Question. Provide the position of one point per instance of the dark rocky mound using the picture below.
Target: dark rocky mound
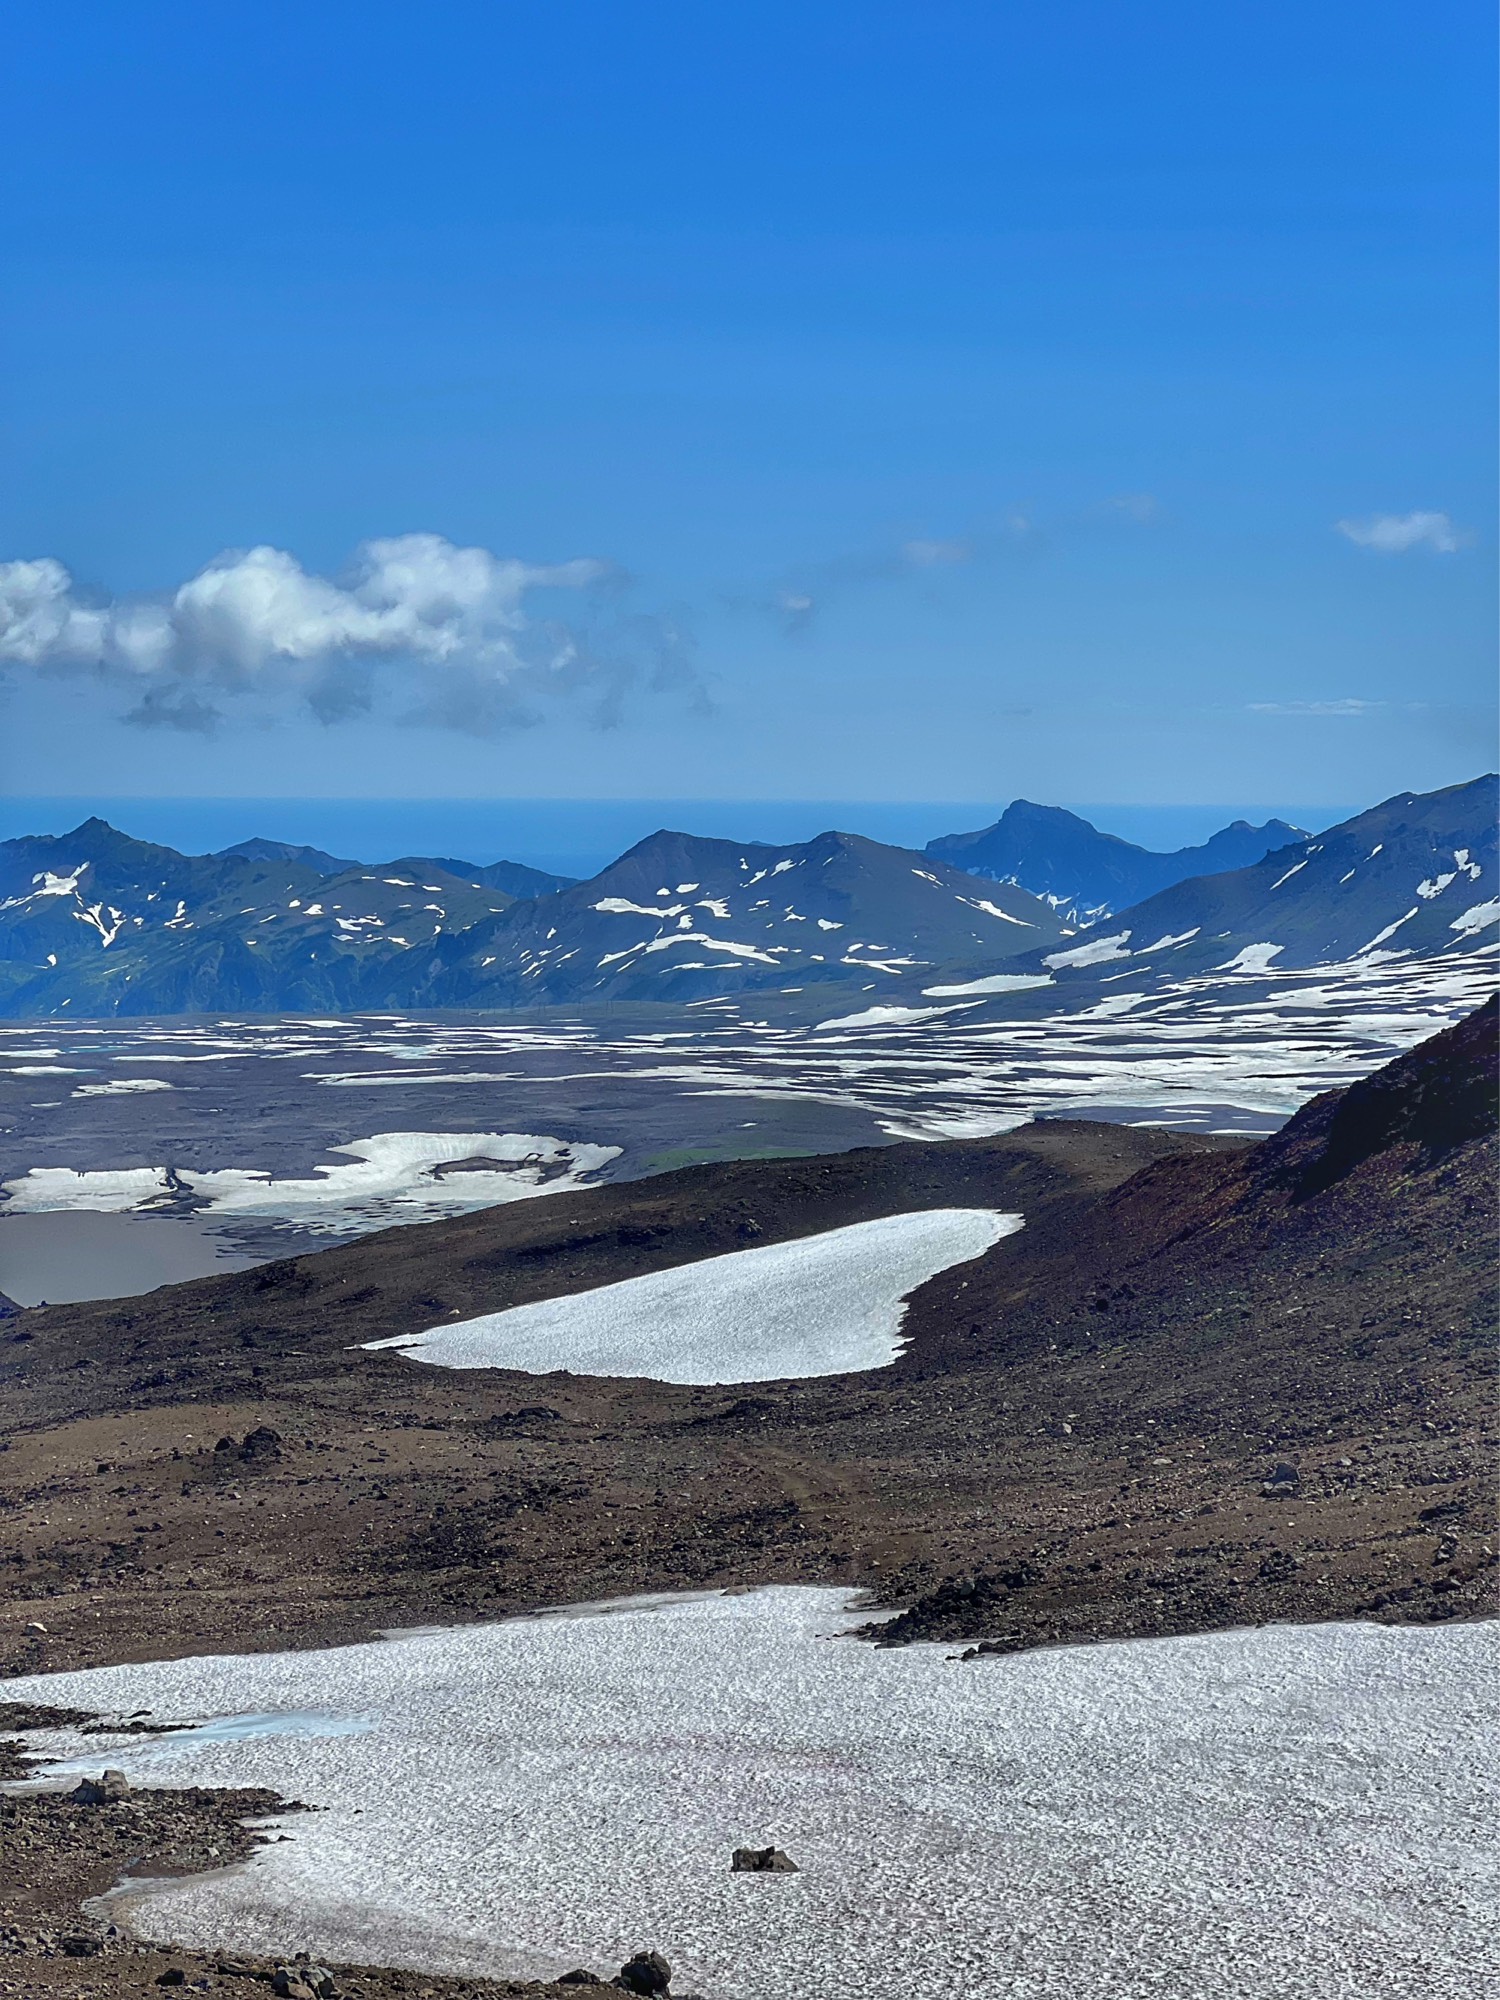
(1321, 1306)
(1435, 1098)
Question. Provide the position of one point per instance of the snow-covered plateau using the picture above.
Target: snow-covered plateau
(266, 1132)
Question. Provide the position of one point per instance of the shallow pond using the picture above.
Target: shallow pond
(88, 1254)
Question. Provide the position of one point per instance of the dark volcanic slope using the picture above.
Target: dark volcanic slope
(1087, 1421)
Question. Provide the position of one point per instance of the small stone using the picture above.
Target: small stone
(34, 1625)
(581, 1976)
(1280, 1566)
(648, 1972)
(173, 1976)
(761, 1861)
(318, 1977)
(288, 1983)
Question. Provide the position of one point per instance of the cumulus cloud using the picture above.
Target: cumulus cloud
(1349, 705)
(1394, 534)
(455, 631)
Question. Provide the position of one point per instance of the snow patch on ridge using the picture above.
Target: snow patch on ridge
(1253, 958)
(1099, 952)
(822, 1305)
(1476, 917)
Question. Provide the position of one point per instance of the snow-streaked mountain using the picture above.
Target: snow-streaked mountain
(1414, 875)
(514, 877)
(1086, 874)
(95, 922)
(678, 918)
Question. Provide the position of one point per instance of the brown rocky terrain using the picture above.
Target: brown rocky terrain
(1207, 1385)
(58, 1855)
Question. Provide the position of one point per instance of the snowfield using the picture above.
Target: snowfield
(1289, 1813)
(391, 1177)
(823, 1305)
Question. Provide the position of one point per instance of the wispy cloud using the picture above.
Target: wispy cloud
(1394, 534)
(1349, 705)
(463, 636)
(806, 592)
(1139, 507)
(803, 596)
(935, 555)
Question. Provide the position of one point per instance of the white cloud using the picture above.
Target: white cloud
(1394, 534)
(1348, 706)
(454, 620)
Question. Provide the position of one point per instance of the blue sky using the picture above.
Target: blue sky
(854, 401)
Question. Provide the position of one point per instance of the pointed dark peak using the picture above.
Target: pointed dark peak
(1028, 809)
(96, 830)
(97, 840)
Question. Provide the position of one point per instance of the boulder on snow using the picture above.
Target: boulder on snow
(761, 1861)
(648, 1972)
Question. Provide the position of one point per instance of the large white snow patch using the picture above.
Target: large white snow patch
(1289, 1813)
(822, 1305)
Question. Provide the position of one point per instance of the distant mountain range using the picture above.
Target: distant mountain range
(94, 923)
(98, 923)
(1085, 874)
